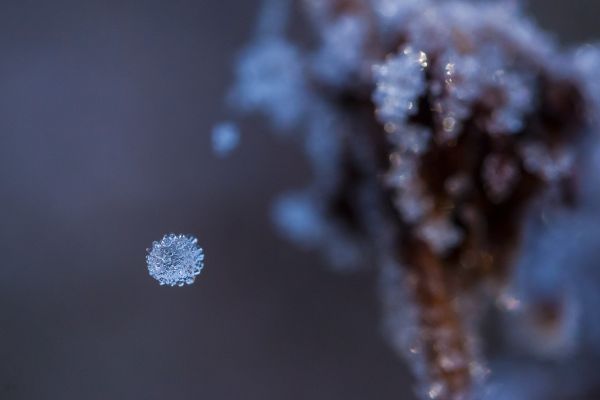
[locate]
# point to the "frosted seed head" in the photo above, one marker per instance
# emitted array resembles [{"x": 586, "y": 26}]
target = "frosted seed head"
[{"x": 175, "y": 260}]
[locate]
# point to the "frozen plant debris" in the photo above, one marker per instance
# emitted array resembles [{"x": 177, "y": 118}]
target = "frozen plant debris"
[
  {"x": 175, "y": 260},
  {"x": 435, "y": 130},
  {"x": 225, "y": 138}
]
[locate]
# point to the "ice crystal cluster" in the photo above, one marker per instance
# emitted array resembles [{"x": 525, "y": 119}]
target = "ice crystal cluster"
[
  {"x": 175, "y": 260},
  {"x": 449, "y": 142}
]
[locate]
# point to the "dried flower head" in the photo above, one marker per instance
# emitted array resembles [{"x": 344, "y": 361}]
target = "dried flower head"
[{"x": 437, "y": 130}]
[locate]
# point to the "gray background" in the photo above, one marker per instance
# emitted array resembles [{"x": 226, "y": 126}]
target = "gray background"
[{"x": 105, "y": 113}]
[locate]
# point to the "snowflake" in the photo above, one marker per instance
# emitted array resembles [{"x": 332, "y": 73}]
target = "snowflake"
[{"x": 175, "y": 260}]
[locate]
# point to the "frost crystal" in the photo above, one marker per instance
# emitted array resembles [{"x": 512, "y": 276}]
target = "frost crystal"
[
  {"x": 175, "y": 260},
  {"x": 550, "y": 165},
  {"x": 412, "y": 203},
  {"x": 398, "y": 84},
  {"x": 587, "y": 64},
  {"x": 518, "y": 100},
  {"x": 411, "y": 138},
  {"x": 341, "y": 54},
  {"x": 461, "y": 78},
  {"x": 500, "y": 175},
  {"x": 225, "y": 138},
  {"x": 270, "y": 80},
  {"x": 440, "y": 234}
]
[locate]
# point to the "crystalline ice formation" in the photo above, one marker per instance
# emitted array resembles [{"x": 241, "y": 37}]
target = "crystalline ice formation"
[
  {"x": 440, "y": 234},
  {"x": 434, "y": 129},
  {"x": 586, "y": 60},
  {"x": 398, "y": 84},
  {"x": 175, "y": 260},
  {"x": 518, "y": 101},
  {"x": 500, "y": 175},
  {"x": 270, "y": 80},
  {"x": 412, "y": 203},
  {"x": 410, "y": 139},
  {"x": 341, "y": 54},
  {"x": 549, "y": 165}
]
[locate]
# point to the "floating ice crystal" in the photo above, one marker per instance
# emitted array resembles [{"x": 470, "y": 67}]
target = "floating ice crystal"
[
  {"x": 175, "y": 260},
  {"x": 225, "y": 138}
]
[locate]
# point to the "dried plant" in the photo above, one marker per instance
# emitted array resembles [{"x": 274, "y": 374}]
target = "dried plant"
[{"x": 441, "y": 133}]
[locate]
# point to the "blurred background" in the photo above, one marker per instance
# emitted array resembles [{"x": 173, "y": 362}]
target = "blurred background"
[{"x": 106, "y": 109}]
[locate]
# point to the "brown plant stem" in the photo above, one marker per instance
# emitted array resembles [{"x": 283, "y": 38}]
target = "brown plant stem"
[{"x": 444, "y": 340}]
